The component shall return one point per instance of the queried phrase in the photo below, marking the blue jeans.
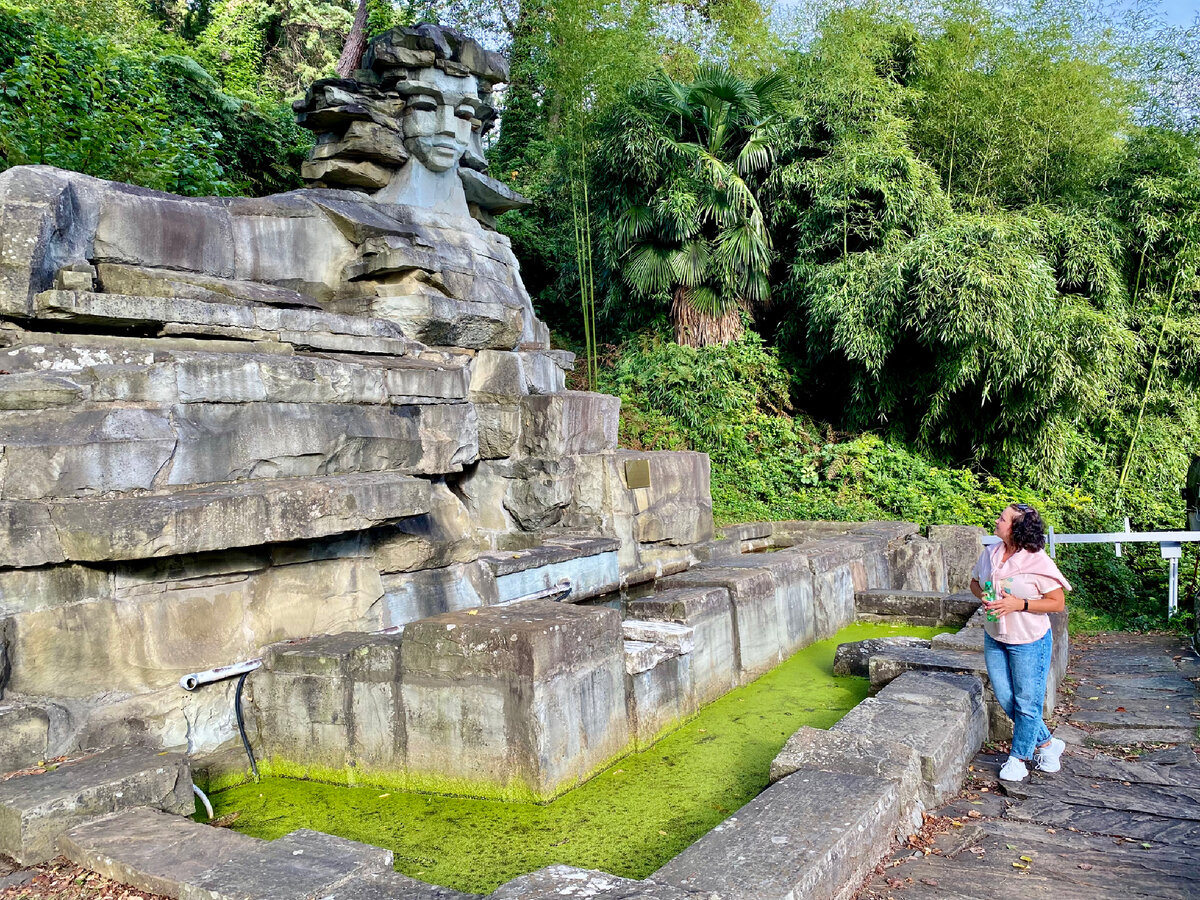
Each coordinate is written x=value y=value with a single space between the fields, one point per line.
x=1018 y=673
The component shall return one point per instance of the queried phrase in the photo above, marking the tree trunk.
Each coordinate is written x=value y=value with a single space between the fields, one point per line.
x=697 y=329
x=356 y=43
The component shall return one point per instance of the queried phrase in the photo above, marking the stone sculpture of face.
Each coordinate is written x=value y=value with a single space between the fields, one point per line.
x=437 y=117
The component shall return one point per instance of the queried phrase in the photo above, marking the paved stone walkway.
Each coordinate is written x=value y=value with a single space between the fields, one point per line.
x=1120 y=820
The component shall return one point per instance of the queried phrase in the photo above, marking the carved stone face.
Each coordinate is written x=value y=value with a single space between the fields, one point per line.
x=437 y=117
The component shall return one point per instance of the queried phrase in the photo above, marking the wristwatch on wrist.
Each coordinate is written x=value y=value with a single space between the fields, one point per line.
x=1026 y=606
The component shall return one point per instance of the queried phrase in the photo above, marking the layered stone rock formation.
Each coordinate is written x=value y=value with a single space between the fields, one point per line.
x=226 y=422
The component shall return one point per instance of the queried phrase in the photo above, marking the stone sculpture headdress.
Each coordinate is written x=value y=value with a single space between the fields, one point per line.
x=409 y=127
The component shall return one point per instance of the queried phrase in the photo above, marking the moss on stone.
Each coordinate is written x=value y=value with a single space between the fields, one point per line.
x=629 y=820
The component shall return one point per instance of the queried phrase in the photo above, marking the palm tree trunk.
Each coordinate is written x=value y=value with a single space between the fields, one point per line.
x=697 y=329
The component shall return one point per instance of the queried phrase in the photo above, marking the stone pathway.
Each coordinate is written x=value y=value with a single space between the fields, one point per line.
x=1120 y=820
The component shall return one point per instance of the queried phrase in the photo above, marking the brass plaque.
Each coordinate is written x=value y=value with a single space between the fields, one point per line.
x=637 y=473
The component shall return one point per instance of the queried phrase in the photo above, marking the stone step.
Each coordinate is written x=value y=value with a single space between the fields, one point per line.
x=940 y=715
x=193 y=520
x=308 y=328
x=178 y=858
x=854 y=658
x=152 y=850
x=35 y=809
x=889 y=664
x=916 y=607
x=806 y=836
x=301 y=864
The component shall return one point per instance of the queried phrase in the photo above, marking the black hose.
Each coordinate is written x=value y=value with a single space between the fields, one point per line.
x=237 y=708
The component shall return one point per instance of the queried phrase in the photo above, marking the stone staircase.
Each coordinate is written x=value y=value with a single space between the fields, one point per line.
x=37 y=807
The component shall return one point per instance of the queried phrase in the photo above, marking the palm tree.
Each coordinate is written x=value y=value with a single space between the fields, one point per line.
x=679 y=166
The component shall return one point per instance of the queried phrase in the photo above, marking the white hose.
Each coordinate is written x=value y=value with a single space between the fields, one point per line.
x=203 y=799
x=195 y=679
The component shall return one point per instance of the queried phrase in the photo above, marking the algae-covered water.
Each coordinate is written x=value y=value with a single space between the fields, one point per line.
x=628 y=820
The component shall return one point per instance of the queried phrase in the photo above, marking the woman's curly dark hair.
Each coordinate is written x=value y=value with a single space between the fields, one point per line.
x=1028 y=529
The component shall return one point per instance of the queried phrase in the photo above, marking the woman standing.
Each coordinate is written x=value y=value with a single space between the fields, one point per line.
x=1017 y=647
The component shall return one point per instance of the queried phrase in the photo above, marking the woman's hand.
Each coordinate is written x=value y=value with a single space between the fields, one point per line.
x=1005 y=603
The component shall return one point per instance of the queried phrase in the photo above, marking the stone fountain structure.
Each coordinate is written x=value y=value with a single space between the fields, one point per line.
x=229 y=422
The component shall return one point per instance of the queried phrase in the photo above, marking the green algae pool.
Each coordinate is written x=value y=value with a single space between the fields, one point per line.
x=628 y=820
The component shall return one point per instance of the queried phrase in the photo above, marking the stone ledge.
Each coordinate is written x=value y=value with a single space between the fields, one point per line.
x=811 y=836
x=309 y=328
x=194 y=520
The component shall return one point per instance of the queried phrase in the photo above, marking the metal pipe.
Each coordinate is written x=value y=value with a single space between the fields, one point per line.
x=203 y=799
x=559 y=591
x=195 y=679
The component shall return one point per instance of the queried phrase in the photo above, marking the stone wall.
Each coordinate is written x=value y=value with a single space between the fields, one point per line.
x=525 y=700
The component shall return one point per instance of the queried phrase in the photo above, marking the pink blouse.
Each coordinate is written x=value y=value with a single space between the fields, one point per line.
x=1025 y=575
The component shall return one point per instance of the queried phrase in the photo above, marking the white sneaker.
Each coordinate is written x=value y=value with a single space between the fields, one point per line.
x=1013 y=770
x=1046 y=759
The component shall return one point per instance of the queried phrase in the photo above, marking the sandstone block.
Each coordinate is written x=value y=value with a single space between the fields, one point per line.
x=592 y=571
x=24 y=735
x=147 y=228
x=141 y=281
x=835 y=564
x=438 y=538
x=36 y=809
x=961 y=546
x=66 y=453
x=351 y=173
x=854 y=658
x=289 y=240
x=793 y=593
x=811 y=836
x=568 y=423
x=917 y=607
x=758 y=632
x=544 y=372
x=853 y=754
x=918 y=565
x=429 y=316
x=555 y=882
x=896 y=661
x=151 y=850
x=180 y=615
x=37 y=391
x=308 y=328
x=365 y=140
x=709 y=613
x=939 y=737
x=499 y=429
x=417 y=595
x=40 y=231
x=300 y=864
x=661 y=697
x=497 y=375
x=333 y=701
x=530 y=699
x=191 y=520
x=235 y=441
x=678 y=638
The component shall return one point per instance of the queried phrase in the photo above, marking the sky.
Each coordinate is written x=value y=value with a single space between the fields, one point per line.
x=1180 y=12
